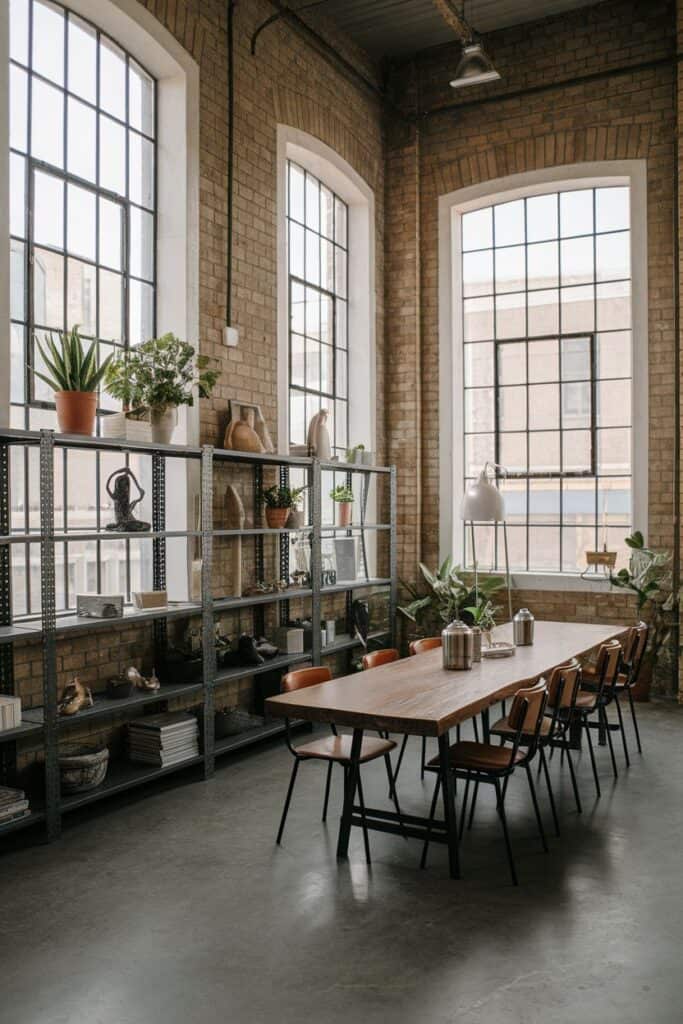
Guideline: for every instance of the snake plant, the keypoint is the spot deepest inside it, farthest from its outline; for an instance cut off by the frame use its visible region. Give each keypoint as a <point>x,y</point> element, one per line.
<point>68,366</point>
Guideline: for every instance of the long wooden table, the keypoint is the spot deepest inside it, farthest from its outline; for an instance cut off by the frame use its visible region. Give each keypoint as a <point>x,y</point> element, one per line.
<point>419,697</point>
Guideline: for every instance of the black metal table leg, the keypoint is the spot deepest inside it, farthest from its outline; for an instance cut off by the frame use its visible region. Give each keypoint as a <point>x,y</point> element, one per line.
<point>448,790</point>
<point>485,725</point>
<point>350,787</point>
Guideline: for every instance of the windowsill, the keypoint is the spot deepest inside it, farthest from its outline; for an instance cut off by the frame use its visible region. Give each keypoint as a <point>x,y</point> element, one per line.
<point>560,581</point>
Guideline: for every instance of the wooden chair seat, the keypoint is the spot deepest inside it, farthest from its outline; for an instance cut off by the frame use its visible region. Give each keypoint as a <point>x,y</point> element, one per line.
<point>503,728</point>
<point>589,676</point>
<point>338,749</point>
<point>585,700</point>
<point>479,757</point>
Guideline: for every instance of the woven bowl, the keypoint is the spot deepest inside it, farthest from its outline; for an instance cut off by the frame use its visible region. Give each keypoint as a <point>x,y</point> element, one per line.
<point>82,767</point>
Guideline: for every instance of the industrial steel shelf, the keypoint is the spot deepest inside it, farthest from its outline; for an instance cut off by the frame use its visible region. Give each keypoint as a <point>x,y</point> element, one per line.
<point>45,727</point>
<point>35,817</point>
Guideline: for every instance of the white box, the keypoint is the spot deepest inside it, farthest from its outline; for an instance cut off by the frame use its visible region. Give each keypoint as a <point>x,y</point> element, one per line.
<point>99,606</point>
<point>119,425</point>
<point>290,640</point>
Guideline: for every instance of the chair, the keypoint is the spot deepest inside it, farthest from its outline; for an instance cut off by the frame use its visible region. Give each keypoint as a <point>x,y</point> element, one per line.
<point>376,658</point>
<point>633,649</point>
<point>493,765</point>
<point>597,691</point>
<point>427,643</point>
<point>334,749</point>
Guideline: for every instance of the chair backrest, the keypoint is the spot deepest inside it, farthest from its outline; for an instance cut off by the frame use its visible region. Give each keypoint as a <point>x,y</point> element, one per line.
<point>376,658</point>
<point>563,685</point>
<point>428,643</point>
<point>528,705</point>
<point>609,663</point>
<point>634,649</point>
<point>302,677</point>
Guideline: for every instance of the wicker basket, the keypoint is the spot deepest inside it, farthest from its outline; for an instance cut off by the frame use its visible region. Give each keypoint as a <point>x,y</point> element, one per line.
<point>82,767</point>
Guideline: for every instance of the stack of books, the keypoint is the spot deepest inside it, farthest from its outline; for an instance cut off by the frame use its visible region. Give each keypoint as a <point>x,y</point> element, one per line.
<point>10,712</point>
<point>163,740</point>
<point>13,805</point>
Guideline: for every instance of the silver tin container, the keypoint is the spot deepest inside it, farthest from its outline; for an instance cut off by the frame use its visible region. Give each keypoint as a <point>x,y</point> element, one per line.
<point>523,628</point>
<point>476,650</point>
<point>457,644</point>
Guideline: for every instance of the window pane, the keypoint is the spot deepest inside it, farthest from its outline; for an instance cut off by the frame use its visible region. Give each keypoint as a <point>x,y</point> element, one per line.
<point>141,99</point>
<point>48,210</point>
<point>297,418</point>
<point>509,223</point>
<point>313,313</point>
<point>17,364</point>
<point>576,540</point>
<point>544,451</point>
<point>613,256</point>
<point>326,212</point>
<point>112,79</point>
<point>576,261</point>
<point>543,314</point>
<point>514,495</point>
<point>110,234</point>
<point>312,257</point>
<point>17,212</point>
<point>544,548</point>
<point>42,392</point>
<point>18,114</point>
<point>342,373</point>
<point>297,360</point>
<point>81,296</point>
<point>513,452</point>
<point>312,365</point>
<point>82,59</point>
<point>544,407</point>
<point>577,311</point>
<point>18,30</point>
<point>340,223</point>
<point>80,239</point>
<point>614,452</point>
<point>17,280</point>
<point>47,123</point>
<point>510,269</point>
<point>576,451</point>
<point>297,308</point>
<point>614,502</point>
<point>576,359</point>
<point>141,243</point>
<point>342,324</point>
<point>512,363</point>
<point>614,354</point>
<point>614,306</point>
<point>312,203</point>
<point>296,193</point>
<point>48,289</point>
<point>477,273</point>
<point>112,156</point>
<point>327,320</point>
<point>111,299</point>
<point>541,217</point>
<point>512,408</point>
<point>576,405</point>
<point>340,270</point>
<point>578,500</point>
<point>543,265</point>
<point>477,229</point>
<point>517,548</point>
<point>576,213</point>
<point>327,265</point>
<point>81,141</point>
<point>614,403</point>
<point>479,448</point>
<point>48,41</point>
<point>141,170</point>
<point>141,312</point>
<point>479,364</point>
<point>296,250</point>
<point>511,315</point>
<point>478,319</point>
<point>327,370</point>
<point>612,209</point>
<point>479,410</point>
<point>544,363</point>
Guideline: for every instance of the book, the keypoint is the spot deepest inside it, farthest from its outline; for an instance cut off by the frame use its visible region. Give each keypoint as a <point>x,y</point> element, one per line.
<point>165,722</point>
<point>13,810</point>
<point>10,796</point>
<point>15,817</point>
<point>10,712</point>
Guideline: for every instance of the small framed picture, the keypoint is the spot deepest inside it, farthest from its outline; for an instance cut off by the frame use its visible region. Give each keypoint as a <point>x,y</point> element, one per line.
<point>346,553</point>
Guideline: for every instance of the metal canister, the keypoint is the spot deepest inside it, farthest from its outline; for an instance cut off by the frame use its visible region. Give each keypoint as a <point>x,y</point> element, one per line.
<point>523,628</point>
<point>476,646</point>
<point>457,644</point>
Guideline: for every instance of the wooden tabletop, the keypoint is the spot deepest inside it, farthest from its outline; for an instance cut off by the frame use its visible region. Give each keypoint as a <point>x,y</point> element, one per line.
<point>418,696</point>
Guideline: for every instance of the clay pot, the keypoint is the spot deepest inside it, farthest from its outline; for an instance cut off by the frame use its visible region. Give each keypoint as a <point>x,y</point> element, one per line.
<point>164,420</point>
<point>641,691</point>
<point>345,513</point>
<point>276,518</point>
<point>76,411</point>
<point>242,438</point>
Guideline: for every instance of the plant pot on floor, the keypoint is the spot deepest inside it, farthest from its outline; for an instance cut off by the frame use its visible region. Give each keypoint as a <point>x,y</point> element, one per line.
<point>76,411</point>
<point>344,513</point>
<point>164,420</point>
<point>276,518</point>
<point>641,690</point>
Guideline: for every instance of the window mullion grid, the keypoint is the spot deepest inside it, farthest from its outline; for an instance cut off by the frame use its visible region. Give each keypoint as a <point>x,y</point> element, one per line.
<point>526,384</point>
<point>560,374</point>
<point>594,435</point>
<point>496,382</point>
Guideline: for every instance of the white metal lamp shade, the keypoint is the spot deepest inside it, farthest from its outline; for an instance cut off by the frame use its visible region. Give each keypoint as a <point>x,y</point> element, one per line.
<point>474,67</point>
<point>482,501</point>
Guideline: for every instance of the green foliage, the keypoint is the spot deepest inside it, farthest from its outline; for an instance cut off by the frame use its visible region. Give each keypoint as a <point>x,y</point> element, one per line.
<point>159,373</point>
<point>350,452</point>
<point>283,497</point>
<point>451,595</point>
<point>650,578</point>
<point>69,367</point>
<point>341,493</point>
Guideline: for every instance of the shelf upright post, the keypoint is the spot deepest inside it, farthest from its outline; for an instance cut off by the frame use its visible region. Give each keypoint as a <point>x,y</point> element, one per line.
<point>49,631</point>
<point>316,563</point>
<point>208,644</point>
<point>258,613</point>
<point>7,750</point>
<point>284,551</point>
<point>160,626</point>
<point>393,557</point>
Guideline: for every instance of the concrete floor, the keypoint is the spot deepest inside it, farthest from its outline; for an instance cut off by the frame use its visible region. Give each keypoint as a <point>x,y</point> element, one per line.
<point>176,907</point>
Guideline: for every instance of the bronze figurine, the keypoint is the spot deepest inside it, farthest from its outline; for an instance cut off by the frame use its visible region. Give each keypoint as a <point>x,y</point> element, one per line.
<point>125,521</point>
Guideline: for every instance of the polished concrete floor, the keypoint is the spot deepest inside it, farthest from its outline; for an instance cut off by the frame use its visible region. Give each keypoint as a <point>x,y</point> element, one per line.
<point>176,907</point>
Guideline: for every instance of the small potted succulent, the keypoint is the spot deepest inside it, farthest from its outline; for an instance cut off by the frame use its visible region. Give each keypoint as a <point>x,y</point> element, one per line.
<point>343,498</point>
<point>74,377</point>
<point>279,502</point>
<point>355,454</point>
<point>160,375</point>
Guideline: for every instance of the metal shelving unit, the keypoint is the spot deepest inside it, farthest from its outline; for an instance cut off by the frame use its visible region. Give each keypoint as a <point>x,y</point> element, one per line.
<point>42,726</point>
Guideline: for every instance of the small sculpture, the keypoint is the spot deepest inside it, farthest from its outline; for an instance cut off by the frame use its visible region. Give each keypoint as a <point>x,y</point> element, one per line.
<point>75,697</point>
<point>125,521</point>
<point>139,681</point>
<point>319,436</point>
<point>242,437</point>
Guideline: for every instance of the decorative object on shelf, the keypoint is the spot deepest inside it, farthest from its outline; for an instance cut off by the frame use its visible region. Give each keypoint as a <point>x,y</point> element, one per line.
<point>136,679</point>
<point>290,639</point>
<point>163,740</point>
<point>146,600</point>
<point>360,620</point>
<point>74,377</point>
<point>82,767</point>
<point>296,520</point>
<point>75,697</point>
<point>99,606</point>
<point>160,375</point>
<point>13,805</point>
<point>302,559</point>
<point>195,588</point>
<point>125,521</point>
<point>240,436</point>
<point>119,689</point>
<point>235,519</point>
<point>318,437</point>
<point>266,649</point>
<point>246,655</point>
<point>457,646</point>
<point>346,556</point>
<point>355,455</point>
<point>498,649</point>
<point>483,503</point>
<point>523,628</point>
<point>134,425</point>
<point>328,574</point>
<point>342,496</point>
<point>599,563</point>
<point>279,501</point>
<point>330,630</point>
<point>10,712</point>
<point>249,413</point>
<point>451,595</point>
<point>231,721</point>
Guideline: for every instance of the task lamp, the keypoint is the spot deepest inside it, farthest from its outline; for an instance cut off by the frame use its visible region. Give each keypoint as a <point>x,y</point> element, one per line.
<point>483,503</point>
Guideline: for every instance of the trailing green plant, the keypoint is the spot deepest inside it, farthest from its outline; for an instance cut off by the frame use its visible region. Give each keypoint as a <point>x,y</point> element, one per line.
<point>161,372</point>
<point>70,368</point>
<point>649,576</point>
<point>350,452</point>
<point>341,493</point>
<point>450,594</point>
<point>282,497</point>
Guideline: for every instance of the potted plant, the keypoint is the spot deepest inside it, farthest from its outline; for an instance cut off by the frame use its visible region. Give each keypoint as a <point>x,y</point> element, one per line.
<point>649,577</point>
<point>451,594</point>
<point>279,502</point>
<point>160,375</point>
<point>343,497</point>
<point>74,377</point>
<point>355,454</point>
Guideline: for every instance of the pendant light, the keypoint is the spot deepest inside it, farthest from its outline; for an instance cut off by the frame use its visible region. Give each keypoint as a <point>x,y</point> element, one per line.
<point>483,503</point>
<point>475,66</point>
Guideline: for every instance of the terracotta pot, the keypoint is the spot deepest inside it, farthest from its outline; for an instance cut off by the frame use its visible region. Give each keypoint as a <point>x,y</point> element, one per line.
<point>641,691</point>
<point>76,411</point>
<point>164,422</point>
<point>345,514</point>
<point>276,518</point>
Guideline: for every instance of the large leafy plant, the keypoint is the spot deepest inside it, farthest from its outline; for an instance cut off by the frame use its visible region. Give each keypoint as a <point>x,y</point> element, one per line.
<point>161,372</point>
<point>649,577</point>
<point>282,497</point>
<point>68,366</point>
<point>451,594</point>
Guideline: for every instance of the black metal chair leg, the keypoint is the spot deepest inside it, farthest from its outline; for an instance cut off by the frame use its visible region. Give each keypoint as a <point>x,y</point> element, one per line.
<point>432,812</point>
<point>285,809</point>
<point>575,787</point>
<point>551,795</point>
<point>635,720</point>
<point>476,730</point>
<point>503,821</point>
<point>607,729</point>
<point>327,790</point>
<point>423,759</point>
<point>401,752</point>
<point>392,790</point>
<point>475,794</point>
<point>537,812</point>
<point>592,754</point>
<point>463,813</point>
<point>623,731</point>
<point>366,840</point>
